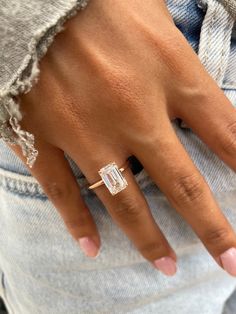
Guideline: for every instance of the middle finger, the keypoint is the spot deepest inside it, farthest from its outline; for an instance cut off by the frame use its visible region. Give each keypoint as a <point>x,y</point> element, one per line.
<point>129,210</point>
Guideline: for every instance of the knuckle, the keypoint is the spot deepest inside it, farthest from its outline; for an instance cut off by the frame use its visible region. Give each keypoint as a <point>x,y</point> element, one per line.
<point>74,224</point>
<point>56,191</point>
<point>152,250</point>
<point>125,88</point>
<point>186,189</point>
<point>229,142</point>
<point>78,223</point>
<point>128,210</point>
<point>117,79</point>
<point>216,236</point>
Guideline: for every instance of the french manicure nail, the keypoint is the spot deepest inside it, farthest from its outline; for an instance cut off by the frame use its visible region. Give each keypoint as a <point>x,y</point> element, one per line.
<point>166,265</point>
<point>228,260</point>
<point>89,247</point>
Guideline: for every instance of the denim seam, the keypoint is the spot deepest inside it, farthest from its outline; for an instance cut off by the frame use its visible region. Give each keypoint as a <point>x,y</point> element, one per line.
<point>215,12</point>
<point>209,42</point>
<point>232,83</point>
<point>223,51</point>
<point>29,187</point>
<point>23,191</point>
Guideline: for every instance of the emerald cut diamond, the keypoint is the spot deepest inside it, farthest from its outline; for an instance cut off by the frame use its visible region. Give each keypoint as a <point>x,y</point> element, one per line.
<point>113,178</point>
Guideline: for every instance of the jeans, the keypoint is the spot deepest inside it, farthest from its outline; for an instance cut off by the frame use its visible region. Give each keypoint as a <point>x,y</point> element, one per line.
<point>43,270</point>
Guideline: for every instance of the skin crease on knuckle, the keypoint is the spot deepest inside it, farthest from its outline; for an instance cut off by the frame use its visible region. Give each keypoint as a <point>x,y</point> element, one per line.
<point>228,145</point>
<point>110,102</point>
<point>187,189</point>
<point>217,236</point>
<point>129,211</point>
<point>79,223</point>
<point>57,192</point>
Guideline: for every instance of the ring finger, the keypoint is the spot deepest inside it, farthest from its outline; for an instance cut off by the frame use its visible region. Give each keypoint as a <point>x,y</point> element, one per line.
<point>130,211</point>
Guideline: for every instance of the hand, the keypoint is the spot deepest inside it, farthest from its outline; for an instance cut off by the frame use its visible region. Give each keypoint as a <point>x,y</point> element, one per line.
<point>109,87</point>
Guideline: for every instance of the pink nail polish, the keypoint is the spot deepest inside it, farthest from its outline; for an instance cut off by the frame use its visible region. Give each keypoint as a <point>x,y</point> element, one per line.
<point>228,260</point>
<point>88,246</point>
<point>166,265</point>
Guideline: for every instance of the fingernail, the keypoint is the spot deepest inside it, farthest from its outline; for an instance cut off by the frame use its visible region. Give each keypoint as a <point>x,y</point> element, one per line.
<point>228,260</point>
<point>89,247</point>
<point>166,265</point>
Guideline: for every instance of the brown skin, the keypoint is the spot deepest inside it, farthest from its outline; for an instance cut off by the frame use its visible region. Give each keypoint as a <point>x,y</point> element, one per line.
<point>109,87</point>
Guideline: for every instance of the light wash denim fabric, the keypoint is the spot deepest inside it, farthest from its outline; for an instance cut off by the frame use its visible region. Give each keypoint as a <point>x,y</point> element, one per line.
<point>43,270</point>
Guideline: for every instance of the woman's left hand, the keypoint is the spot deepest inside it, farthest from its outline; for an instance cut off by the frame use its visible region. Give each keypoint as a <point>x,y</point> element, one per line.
<point>109,87</point>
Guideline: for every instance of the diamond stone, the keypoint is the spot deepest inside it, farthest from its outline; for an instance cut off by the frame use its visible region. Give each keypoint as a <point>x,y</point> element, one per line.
<point>113,178</point>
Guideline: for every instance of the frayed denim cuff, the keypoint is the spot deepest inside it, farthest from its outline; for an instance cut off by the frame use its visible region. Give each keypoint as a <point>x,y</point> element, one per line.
<point>27,28</point>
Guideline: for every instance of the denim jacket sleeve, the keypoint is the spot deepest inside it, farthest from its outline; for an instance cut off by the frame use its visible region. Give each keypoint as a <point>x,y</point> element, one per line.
<point>27,27</point>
